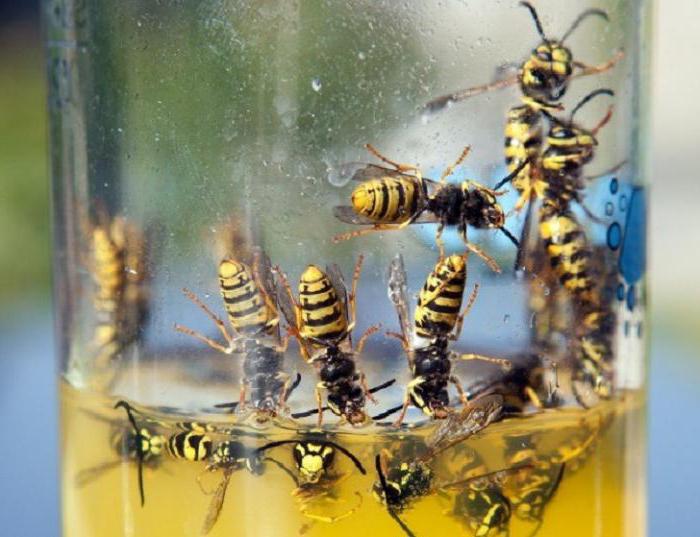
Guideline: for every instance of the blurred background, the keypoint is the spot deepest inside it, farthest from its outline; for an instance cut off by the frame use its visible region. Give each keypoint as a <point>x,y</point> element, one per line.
<point>27,381</point>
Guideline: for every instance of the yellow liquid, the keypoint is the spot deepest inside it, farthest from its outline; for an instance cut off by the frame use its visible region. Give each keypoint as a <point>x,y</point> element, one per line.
<point>601,495</point>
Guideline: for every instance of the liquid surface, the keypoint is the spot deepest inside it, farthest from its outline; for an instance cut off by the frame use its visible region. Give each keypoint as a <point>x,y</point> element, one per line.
<point>601,493</point>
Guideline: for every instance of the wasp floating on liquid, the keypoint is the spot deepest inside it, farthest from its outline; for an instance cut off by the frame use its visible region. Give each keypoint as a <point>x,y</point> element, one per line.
<point>121,296</point>
<point>249,295</point>
<point>403,480</point>
<point>314,458</point>
<point>323,320</point>
<point>438,321</point>
<point>131,443</point>
<point>394,198</point>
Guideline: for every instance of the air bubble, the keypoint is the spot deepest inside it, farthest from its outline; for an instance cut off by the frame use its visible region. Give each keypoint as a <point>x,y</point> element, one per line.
<point>614,185</point>
<point>609,208</point>
<point>623,203</point>
<point>316,84</point>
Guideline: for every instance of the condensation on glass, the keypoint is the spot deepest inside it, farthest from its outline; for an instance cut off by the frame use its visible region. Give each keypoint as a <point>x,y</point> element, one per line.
<point>183,134</point>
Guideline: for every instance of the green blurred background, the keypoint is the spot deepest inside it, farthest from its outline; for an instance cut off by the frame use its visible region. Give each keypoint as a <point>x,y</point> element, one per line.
<point>26,361</point>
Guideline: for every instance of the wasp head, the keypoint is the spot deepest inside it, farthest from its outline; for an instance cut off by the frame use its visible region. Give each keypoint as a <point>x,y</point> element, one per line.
<point>483,210</point>
<point>350,406</point>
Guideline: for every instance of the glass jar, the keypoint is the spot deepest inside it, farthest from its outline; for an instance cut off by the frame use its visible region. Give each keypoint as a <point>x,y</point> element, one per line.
<point>250,150</point>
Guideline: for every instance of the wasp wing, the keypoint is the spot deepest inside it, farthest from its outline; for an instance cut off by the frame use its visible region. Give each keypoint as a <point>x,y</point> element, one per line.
<point>217,502</point>
<point>398,294</point>
<point>335,275</point>
<point>83,477</point>
<point>266,280</point>
<point>286,303</point>
<point>459,426</point>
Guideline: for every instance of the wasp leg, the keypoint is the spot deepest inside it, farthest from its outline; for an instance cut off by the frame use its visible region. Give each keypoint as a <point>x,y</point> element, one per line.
<point>490,261</point>
<point>407,401</point>
<point>405,344</point>
<point>242,395</point>
<point>439,242</point>
<point>330,519</point>
<point>213,344</point>
<point>365,337</point>
<point>460,319</point>
<point>441,102</point>
<point>606,119</point>
<point>287,381</point>
<point>586,70</point>
<point>397,165</point>
<point>450,169</point>
<point>353,290</point>
<point>366,231</point>
<point>534,398</point>
<point>505,364</point>
<point>365,388</point>
<point>460,390</point>
<point>217,320</point>
<point>319,402</point>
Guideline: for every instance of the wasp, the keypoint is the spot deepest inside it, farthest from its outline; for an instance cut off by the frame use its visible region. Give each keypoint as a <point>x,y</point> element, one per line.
<point>481,503</point>
<point>323,320</point>
<point>404,480</point>
<point>139,444</point>
<point>528,383</point>
<point>314,458</point>
<point>249,295</point>
<point>531,491</point>
<point>228,457</point>
<point>545,75</point>
<point>132,443</point>
<point>121,296</point>
<point>392,199</point>
<point>438,321</point>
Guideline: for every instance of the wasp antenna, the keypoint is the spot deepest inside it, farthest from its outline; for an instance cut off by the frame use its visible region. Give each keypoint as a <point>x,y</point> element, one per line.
<point>274,444</point>
<point>139,451</point>
<point>382,386</point>
<point>284,468</point>
<point>582,17</point>
<point>349,455</point>
<point>588,98</point>
<point>536,18</point>
<point>512,175</point>
<point>392,513</point>
<point>387,413</point>
<point>308,413</point>
<point>510,236</point>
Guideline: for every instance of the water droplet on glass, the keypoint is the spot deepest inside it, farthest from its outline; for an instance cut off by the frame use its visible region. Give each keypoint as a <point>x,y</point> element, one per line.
<point>316,84</point>
<point>506,318</point>
<point>361,55</point>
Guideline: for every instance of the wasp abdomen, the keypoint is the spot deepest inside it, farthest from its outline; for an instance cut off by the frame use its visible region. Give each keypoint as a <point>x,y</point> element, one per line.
<point>323,314</point>
<point>568,251</point>
<point>440,299</point>
<point>190,446</point>
<point>387,200</point>
<point>244,303</point>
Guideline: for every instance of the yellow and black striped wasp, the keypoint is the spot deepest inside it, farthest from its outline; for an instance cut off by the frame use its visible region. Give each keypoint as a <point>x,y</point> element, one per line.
<point>314,456</point>
<point>121,286</point>
<point>405,477</point>
<point>530,492</point>
<point>394,198</point>
<point>545,75</point>
<point>249,295</point>
<point>480,504</point>
<point>131,443</point>
<point>323,320</point>
<point>438,322</point>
